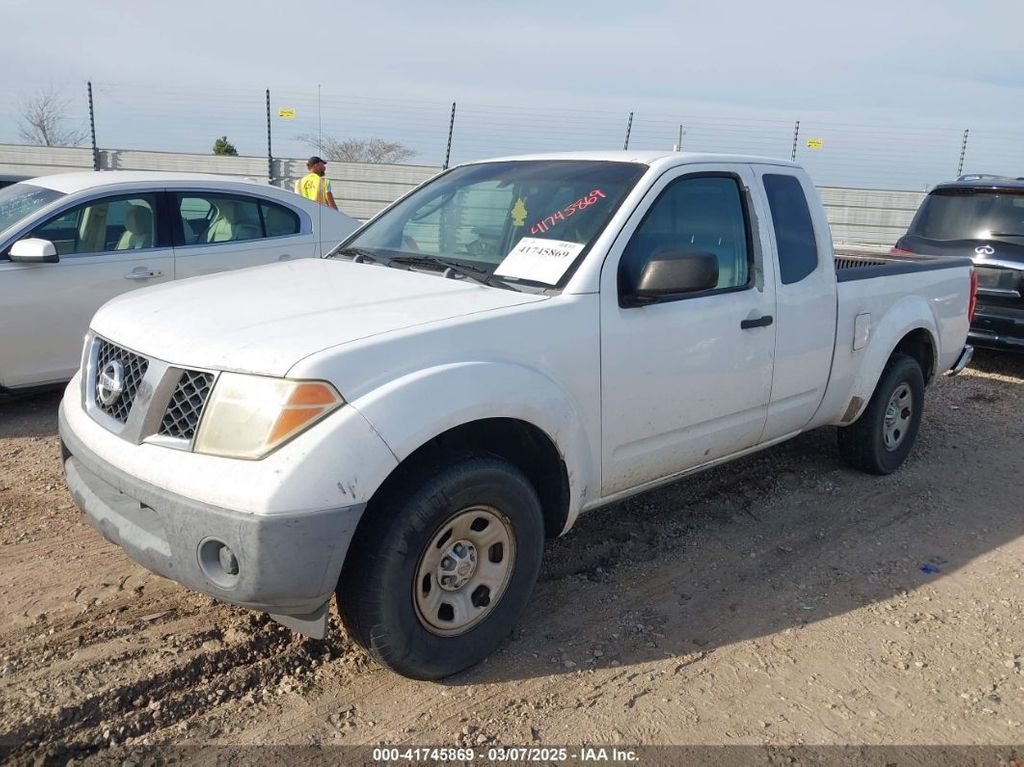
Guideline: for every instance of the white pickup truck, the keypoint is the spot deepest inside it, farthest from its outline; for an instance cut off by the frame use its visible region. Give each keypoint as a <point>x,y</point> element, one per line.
<point>511,344</point>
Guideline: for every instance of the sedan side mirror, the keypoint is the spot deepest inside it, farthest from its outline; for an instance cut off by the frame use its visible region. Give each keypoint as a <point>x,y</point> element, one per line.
<point>34,251</point>
<point>674,273</point>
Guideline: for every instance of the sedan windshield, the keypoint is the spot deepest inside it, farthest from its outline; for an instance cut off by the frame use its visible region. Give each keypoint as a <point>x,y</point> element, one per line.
<point>21,200</point>
<point>521,221</point>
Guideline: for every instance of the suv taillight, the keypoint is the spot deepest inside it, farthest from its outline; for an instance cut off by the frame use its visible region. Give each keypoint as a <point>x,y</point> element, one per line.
<point>973,304</point>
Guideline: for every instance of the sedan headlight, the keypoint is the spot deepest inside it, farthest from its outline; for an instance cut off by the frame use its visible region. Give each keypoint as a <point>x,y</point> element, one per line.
<point>248,416</point>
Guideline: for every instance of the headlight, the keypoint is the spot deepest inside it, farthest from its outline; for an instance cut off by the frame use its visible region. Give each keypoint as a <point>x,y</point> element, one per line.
<point>248,416</point>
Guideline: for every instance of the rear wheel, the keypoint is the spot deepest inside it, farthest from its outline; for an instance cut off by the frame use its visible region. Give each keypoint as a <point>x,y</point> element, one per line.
<point>441,572</point>
<point>882,438</point>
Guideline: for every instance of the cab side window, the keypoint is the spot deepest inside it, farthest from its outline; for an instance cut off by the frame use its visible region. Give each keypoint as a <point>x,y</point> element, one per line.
<point>794,230</point>
<point>104,225</point>
<point>695,213</point>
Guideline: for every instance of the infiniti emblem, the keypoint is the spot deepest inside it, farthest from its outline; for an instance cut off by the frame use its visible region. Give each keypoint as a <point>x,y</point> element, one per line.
<point>110,383</point>
<point>985,250</point>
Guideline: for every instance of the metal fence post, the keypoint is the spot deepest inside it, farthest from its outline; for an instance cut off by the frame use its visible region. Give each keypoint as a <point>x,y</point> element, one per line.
<point>796,138</point>
<point>270,152</point>
<point>92,130</point>
<point>963,154</point>
<point>451,132</point>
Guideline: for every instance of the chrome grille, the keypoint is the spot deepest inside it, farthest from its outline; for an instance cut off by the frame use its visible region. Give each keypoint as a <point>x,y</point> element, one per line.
<point>134,369</point>
<point>186,406</point>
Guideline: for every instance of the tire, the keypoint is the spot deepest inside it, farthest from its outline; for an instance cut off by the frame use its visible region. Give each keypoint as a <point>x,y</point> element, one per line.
<point>415,596</point>
<point>881,439</point>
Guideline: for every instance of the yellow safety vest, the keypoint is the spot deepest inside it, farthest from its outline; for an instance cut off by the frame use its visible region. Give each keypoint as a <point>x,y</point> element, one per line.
<point>313,187</point>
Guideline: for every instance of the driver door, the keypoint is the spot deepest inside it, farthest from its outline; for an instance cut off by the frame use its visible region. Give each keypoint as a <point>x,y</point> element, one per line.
<point>686,380</point>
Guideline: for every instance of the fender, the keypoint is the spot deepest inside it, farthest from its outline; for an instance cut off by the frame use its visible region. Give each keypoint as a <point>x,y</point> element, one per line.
<point>409,411</point>
<point>856,373</point>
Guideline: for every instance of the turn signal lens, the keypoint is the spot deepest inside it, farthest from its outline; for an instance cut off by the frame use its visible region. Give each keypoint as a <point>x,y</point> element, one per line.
<point>249,416</point>
<point>973,303</point>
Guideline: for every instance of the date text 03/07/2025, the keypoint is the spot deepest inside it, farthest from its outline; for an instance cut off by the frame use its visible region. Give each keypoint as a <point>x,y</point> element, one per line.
<point>505,754</point>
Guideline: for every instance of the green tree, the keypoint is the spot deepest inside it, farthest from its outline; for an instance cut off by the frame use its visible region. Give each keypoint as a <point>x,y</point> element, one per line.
<point>223,146</point>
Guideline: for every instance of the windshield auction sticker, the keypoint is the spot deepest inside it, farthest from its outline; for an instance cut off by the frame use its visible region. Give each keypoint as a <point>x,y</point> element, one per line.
<point>561,215</point>
<point>539,260</point>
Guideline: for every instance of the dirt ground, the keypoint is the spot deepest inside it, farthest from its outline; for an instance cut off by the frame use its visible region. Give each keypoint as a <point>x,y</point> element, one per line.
<point>783,599</point>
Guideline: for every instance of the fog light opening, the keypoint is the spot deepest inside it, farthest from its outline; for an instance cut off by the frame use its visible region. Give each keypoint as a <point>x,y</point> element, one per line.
<point>219,562</point>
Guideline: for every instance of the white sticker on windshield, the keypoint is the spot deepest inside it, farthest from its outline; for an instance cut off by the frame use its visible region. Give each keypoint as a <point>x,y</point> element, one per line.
<point>540,260</point>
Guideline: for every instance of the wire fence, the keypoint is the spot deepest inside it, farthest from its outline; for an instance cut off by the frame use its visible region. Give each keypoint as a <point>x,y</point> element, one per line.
<point>292,123</point>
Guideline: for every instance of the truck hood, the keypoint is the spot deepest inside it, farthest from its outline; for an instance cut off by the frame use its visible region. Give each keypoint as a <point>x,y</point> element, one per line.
<point>265,319</point>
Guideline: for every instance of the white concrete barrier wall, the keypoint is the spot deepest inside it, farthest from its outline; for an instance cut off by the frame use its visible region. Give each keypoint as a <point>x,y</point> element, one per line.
<point>869,219</point>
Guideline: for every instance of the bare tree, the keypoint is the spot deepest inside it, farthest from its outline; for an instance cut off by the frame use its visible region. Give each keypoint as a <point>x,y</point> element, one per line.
<point>43,121</point>
<point>375,150</point>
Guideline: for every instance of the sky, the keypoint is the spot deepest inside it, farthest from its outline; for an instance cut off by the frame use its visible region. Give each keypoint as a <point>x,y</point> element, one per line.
<point>888,88</point>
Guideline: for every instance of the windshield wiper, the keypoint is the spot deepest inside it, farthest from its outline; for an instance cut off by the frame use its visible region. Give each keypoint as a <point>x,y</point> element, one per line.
<point>475,273</point>
<point>1006,234</point>
<point>359,255</point>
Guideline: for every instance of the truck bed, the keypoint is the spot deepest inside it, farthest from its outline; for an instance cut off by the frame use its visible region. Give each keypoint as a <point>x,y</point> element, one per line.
<point>850,267</point>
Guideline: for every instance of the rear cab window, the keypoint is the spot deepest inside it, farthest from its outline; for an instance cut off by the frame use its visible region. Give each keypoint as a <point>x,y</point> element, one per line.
<point>794,228</point>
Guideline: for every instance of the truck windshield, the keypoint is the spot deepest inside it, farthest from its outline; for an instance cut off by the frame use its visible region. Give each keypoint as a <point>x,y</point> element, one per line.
<point>971,214</point>
<point>21,200</point>
<point>524,221</point>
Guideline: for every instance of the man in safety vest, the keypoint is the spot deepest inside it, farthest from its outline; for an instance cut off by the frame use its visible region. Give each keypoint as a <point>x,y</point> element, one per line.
<point>314,185</point>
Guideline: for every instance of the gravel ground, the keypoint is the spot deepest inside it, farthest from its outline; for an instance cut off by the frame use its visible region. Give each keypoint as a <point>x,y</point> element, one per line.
<point>783,599</point>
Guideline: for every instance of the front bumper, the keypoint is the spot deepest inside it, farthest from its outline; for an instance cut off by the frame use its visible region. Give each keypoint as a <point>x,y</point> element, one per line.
<point>286,564</point>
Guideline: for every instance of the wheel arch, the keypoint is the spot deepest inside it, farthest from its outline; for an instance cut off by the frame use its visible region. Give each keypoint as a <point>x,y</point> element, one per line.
<point>908,326</point>
<point>522,444</point>
<point>919,344</point>
<point>916,341</point>
<point>496,407</point>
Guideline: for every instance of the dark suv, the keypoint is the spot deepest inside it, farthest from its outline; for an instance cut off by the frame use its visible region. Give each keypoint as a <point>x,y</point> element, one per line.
<point>981,217</point>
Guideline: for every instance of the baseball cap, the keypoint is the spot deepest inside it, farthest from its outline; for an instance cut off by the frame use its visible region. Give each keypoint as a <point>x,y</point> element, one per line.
<point>314,160</point>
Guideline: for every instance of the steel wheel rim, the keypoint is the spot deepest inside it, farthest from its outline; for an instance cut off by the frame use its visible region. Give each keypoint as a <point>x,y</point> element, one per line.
<point>464,570</point>
<point>898,414</point>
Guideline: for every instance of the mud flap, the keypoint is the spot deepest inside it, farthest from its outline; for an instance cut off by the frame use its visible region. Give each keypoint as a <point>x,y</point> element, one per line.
<point>313,625</point>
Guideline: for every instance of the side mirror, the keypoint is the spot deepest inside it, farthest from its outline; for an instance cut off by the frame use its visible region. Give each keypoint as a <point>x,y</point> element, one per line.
<point>673,273</point>
<point>34,251</point>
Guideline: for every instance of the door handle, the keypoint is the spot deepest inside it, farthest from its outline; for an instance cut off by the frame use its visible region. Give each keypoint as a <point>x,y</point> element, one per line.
<point>760,322</point>
<point>142,275</point>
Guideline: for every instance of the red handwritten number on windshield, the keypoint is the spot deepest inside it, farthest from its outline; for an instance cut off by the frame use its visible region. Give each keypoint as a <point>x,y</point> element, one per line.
<point>581,204</point>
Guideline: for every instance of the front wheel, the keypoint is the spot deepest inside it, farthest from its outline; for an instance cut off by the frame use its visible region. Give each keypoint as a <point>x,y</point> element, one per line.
<point>438,577</point>
<point>881,439</point>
